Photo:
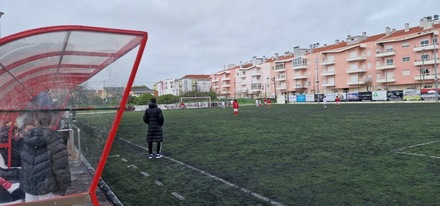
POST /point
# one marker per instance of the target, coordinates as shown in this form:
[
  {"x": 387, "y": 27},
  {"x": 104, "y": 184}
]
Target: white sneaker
[
  {"x": 13, "y": 187},
  {"x": 150, "y": 156},
  {"x": 159, "y": 156}
]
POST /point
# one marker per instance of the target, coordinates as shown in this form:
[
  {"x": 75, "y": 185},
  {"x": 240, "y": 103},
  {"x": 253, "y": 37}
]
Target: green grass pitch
[{"x": 295, "y": 154}]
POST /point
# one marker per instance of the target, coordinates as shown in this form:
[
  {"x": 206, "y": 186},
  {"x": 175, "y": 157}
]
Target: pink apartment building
[{"x": 394, "y": 60}]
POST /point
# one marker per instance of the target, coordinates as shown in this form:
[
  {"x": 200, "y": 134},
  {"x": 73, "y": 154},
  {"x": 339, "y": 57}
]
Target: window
[
  {"x": 405, "y": 59},
  {"x": 354, "y": 78},
  {"x": 389, "y": 49},
  {"x": 390, "y": 61},
  {"x": 424, "y": 42},
  {"x": 425, "y": 57},
  {"x": 353, "y": 54},
  {"x": 299, "y": 62},
  {"x": 425, "y": 71},
  {"x": 406, "y": 72},
  {"x": 353, "y": 66},
  {"x": 330, "y": 58},
  {"x": 330, "y": 69},
  {"x": 405, "y": 45}
]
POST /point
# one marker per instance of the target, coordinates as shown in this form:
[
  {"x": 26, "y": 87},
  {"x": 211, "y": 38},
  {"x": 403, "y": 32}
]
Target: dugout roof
[{"x": 62, "y": 59}]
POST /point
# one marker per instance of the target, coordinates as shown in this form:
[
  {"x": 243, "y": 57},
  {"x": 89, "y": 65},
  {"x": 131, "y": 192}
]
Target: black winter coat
[
  {"x": 154, "y": 118},
  {"x": 16, "y": 147},
  {"x": 44, "y": 165}
]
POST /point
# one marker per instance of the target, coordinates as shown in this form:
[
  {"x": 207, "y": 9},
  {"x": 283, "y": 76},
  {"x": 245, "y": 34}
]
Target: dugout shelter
[{"x": 87, "y": 72}]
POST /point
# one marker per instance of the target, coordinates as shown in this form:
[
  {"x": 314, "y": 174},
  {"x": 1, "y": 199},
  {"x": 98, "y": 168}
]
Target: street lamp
[{"x": 1, "y": 14}]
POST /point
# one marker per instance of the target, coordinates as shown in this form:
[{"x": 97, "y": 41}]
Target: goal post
[{"x": 196, "y": 102}]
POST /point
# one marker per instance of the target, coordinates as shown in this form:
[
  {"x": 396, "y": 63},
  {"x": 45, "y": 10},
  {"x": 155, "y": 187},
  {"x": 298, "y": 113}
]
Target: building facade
[
  {"x": 393, "y": 60},
  {"x": 188, "y": 83}
]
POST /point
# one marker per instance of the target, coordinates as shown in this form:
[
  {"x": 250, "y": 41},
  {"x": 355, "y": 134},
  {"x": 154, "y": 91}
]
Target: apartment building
[
  {"x": 166, "y": 86},
  {"x": 397, "y": 59},
  {"x": 188, "y": 83}
]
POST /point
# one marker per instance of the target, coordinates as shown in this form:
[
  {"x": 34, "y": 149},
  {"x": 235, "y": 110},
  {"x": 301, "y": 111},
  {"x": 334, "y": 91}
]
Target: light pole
[
  {"x": 423, "y": 69},
  {"x": 386, "y": 80},
  {"x": 1, "y": 14},
  {"x": 434, "y": 39},
  {"x": 275, "y": 88},
  {"x": 268, "y": 87},
  {"x": 313, "y": 47}
]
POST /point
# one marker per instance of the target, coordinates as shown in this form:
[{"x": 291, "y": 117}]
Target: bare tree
[{"x": 368, "y": 83}]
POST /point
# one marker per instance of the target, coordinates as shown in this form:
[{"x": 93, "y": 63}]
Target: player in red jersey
[
  {"x": 338, "y": 101},
  {"x": 235, "y": 106}
]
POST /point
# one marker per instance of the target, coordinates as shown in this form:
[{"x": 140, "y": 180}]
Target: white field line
[
  {"x": 158, "y": 182},
  {"x": 416, "y": 154},
  {"x": 400, "y": 151},
  {"x": 212, "y": 176},
  {"x": 178, "y": 196}
]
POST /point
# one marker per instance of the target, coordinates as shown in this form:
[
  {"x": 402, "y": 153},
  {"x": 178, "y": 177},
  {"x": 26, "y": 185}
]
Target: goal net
[{"x": 195, "y": 102}]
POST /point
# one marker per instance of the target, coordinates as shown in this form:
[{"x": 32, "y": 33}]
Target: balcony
[
  {"x": 214, "y": 80},
  {"x": 356, "y": 58},
  {"x": 280, "y": 70},
  {"x": 279, "y": 79},
  {"x": 385, "y": 67},
  {"x": 358, "y": 82},
  {"x": 300, "y": 77},
  {"x": 283, "y": 87},
  {"x": 327, "y": 62},
  {"x": 358, "y": 70},
  {"x": 226, "y": 85},
  {"x": 256, "y": 74},
  {"x": 255, "y": 87},
  {"x": 298, "y": 67},
  {"x": 226, "y": 79},
  {"x": 300, "y": 86},
  {"x": 386, "y": 80},
  {"x": 426, "y": 62},
  {"x": 328, "y": 84},
  {"x": 385, "y": 53},
  {"x": 425, "y": 47},
  {"x": 424, "y": 77},
  {"x": 328, "y": 73}
]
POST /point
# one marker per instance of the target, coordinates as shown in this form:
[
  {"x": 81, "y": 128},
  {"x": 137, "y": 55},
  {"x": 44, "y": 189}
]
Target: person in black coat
[
  {"x": 45, "y": 171},
  {"x": 154, "y": 118}
]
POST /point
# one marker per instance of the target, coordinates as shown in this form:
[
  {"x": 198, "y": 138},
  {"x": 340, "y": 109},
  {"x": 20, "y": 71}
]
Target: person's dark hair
[
  {"x": 44, "y": 119},
  {"x": 153, "y": 100}
]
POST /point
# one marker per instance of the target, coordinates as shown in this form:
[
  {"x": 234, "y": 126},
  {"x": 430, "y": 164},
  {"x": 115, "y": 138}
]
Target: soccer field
[{"x": 359, "y": 154}]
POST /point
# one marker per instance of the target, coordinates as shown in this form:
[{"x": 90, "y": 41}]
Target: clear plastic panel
[{"x": 53, "y": 97}]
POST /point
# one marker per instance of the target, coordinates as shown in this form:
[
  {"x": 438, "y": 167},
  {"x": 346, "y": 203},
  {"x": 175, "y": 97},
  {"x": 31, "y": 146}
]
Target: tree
[
  {"x": 213, "y": 95},
  {"x": 368, "y": 83},
  {"x": 144, "y": 99},
  {"x": 168, "y": 99}
]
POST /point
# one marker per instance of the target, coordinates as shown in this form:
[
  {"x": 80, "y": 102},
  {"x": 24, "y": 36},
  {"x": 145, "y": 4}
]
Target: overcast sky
[{"x": 200, "y": 37}]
